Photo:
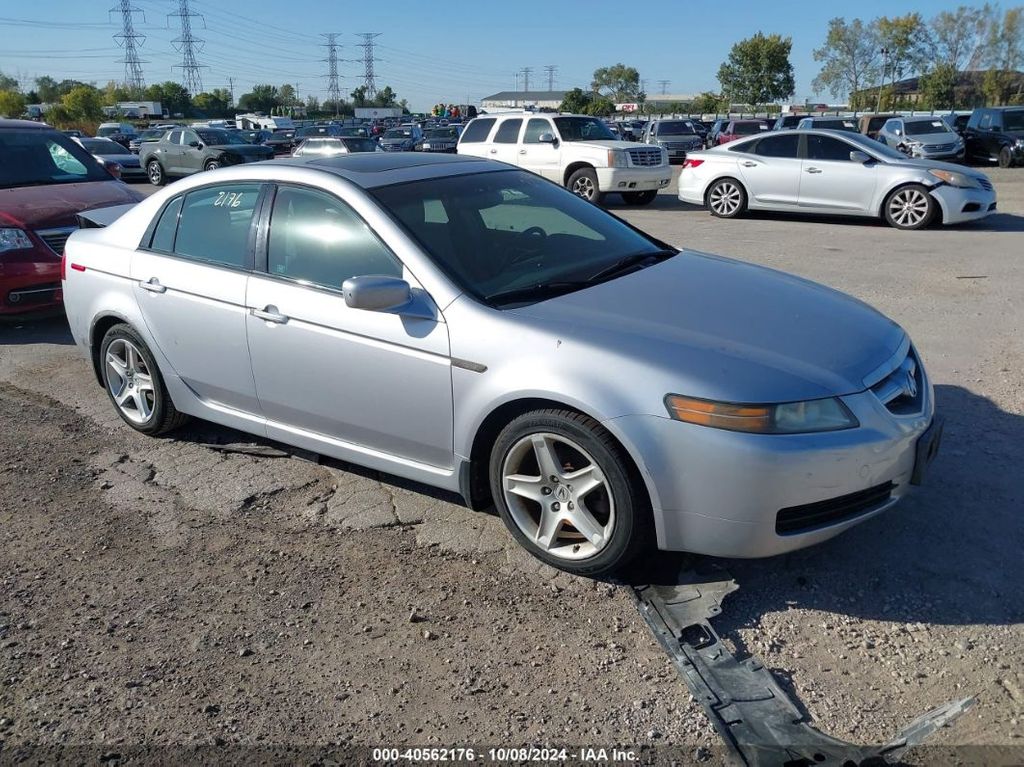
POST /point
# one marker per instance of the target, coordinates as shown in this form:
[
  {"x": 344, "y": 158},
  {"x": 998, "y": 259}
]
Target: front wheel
[
  {"x": 564, "y": 488},
  {"x": 1005, "y": 157},
  {"x": 583, "y": 183},
  {"x": 211, "y": 165},
  {"x": 910, "y": 207},
  {"x": 640, "y": 198},
  {"x": 727, "y": 198},
  {"x": 155, "y": 172}
]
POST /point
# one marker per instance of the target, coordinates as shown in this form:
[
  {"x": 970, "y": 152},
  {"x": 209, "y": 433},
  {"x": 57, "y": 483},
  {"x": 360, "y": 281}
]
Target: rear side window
[
  {"x": 783, "y": 145},
  {"x": 508, "y": 132},
  {"x": 214, "y": 224},
  {"x": 174, "y": 137},
  {"x": 163, "y": 235},
  {"x": 477, "y": 131}
]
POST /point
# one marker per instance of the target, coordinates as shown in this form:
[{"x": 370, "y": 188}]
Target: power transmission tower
[
  {"x": 551, "y": 69},
  {"x": 527, "y": 71},
  {"x": 127, "y": 40},
  {"x": 664, "y": 85},
  {"x": 191, "y": 76},
  {"x": 368, "y": 78},
  {"x": 333, "y": 89}
]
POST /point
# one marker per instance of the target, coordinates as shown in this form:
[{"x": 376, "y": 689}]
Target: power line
[
  {"x": 333, "y": 89},
  {"x": 527, "y": 71},
  {"x": 127, "y": 40},
  {"x": 191, "y": 75},
  {"x": 664, "y": 85},
  {"x": 368, "y": 76},
  {"x": 551, "y": 69}
]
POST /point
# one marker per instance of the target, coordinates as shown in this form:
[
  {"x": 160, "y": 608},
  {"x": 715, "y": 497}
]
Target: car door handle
[
  {"x": 522, "y": 151},
  {"x": 749, "y": 164},
  {"x": 494, "y": 151},
  {"x": 153, "y": 286},
  {"x": 814, "y": 170},
  {"x": 270, "y": 314}
]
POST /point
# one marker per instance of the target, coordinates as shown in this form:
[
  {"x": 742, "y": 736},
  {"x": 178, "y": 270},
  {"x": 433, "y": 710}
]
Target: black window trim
[
  {"x": 262, "y": 239},
  {"x": 248, "y": 267}
]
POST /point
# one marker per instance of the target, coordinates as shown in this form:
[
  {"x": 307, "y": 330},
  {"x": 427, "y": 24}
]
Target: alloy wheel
[
  {"x": 129, "y": 381},
  {"x": 909, "y": 207},
  {"x": 584, "y": 187},
  {"x": 558, "y": 496},
  {"x": 725, "y": 199}
]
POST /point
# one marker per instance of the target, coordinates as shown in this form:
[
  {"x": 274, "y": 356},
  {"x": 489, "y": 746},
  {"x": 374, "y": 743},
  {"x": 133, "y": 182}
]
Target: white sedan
[{"x": 833, "y": 173}]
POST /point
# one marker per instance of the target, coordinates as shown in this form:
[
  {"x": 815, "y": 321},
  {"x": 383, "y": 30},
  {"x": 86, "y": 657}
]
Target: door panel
[
  {"x": 542, "y": 159},
  {"x": 830, "y": 183},
  {"x": 771, "y": 172},
  {"x": 505, "y": 144}
]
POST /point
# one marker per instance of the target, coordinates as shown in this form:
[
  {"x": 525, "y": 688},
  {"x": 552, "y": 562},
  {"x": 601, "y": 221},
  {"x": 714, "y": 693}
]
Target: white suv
[{"x": 577, "y": 151}]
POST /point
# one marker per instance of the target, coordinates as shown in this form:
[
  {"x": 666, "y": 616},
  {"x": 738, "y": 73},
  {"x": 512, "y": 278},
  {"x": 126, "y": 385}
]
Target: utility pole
[
  {"x": 368, "y": 76},
  {"x": 127, "y": 40},
  {"x": 231, "y": 90},
  {"x": 333, "y": 89},
  {"x": 191, "y": 76},
  {"x": 881, "y": 80},
  {"x": 551, "y": 69},
  {"x": 527, "y": 71},
  {"x": 664, "y": 86}
]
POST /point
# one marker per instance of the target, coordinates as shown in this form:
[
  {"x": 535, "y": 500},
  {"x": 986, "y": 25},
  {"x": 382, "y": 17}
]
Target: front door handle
[
  {"x": 270, "y": 314},
  {"x": 522, "y": 151},
  {"x": 153, "y": 286},
  {"x": 814, "y": 170},
  {"x": 494, "y": 151}
]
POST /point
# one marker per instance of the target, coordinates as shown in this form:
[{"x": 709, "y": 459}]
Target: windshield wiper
[
  {"x": 537, "y": 292},
  {"x": 631, "y": 261}
]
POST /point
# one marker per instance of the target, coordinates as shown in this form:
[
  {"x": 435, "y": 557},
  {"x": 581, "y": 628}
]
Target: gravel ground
[{"x": 171, "y": 592}]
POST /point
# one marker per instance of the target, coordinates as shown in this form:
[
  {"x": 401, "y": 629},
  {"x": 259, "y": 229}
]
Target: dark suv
[
  {"x": 677, "y": 137},
  {"x": 996, "y": 134}
]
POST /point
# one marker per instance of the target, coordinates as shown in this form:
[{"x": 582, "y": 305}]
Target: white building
[{"x": 521, "y": 99}]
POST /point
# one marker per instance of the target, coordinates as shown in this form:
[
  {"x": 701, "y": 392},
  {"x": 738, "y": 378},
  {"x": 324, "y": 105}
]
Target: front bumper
[
  {"x": 961, "y": 205},
  {"x": 633, "y": 179},
  {"x": 955, "y": 154},
  {"x": 719, "y": 493},
  {"x": 30, "y": 286}
]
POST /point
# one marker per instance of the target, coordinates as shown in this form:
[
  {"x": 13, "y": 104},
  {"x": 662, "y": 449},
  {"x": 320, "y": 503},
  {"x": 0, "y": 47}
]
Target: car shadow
[
  {"x": 52, "y": 329},
  {"x": 948, "y": 554},
  {"x": 997, "y": 222}
]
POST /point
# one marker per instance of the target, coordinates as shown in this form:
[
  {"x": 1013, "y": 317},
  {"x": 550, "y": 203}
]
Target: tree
[
  {"x": 12, "y": 104},
  {"x": 46, "y": 86},
  {"x": 286, "y": 96},
  {"x": 758, "y": 70},
  {"x": 9, "y": 83},
  {"x": 262, "y": 98},
  {"x": 618, "y": 83},
  {"x": 83, "y": 103},
  {"x": 213, "y": 104},
  {"x": 172, "y": 97},
  {"x": 359, "y": 96},
  {"x": 600, "y": 106},
  {"x": 707, "y": 102},
  {"x": 956, "y": 35},
  {"x": 1004, "y": 43},
  {"x": 938, "y": 87},
  {"x": 385, "y": 97},
  {"x": 907, "y": 44},
  {"x": 849, "y": 58},
  {"x": 575, "y": 101}
]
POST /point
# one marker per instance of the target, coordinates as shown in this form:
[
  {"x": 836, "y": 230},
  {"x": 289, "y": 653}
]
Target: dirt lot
[{"x": 171, "y": 592}]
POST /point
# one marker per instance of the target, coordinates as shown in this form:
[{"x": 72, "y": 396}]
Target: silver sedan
[
  {"x": 836, "y": 173},
  {"x": 477, "y": 328}
]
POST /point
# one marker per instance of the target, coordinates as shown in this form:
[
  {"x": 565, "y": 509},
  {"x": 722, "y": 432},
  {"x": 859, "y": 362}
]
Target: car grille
[
  {"x": 801, "y": 519},
  {"x": 939, "y": 147},
  {"x": 677, "y": 145},
  {"x": 902, "y": 391},
  {"x": 985, "y": 184},
  {"x": 56, "y": 238},
  {"x": 34, "y": 296},
  {"x": 643, "y": 157}
]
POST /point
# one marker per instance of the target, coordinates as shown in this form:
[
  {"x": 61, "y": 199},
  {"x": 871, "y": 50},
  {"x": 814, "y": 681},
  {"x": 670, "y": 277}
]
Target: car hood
[
  {"x": 53, "y": 205},
  {"x": 939, "y": 165},
  {"x": 936, "y": 138},
  {"x": 728, "y": 330}
]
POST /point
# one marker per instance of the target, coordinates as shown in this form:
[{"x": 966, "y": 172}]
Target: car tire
[
  {"x": 583, "y": 183},
  {"x": 910, "y": 207},
  {"x": 155, "y": 173},
  {"x": 134, "y": 384},
  {"x": 726, "y": 198},
  {"x": 1005, "y": 158},
  {"x": 211, "y": 165},
  {"x": 591, "y": 531},
  {"x": 640, "y": 198}
]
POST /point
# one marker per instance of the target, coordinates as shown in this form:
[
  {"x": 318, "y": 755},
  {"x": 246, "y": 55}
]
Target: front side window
[
  {"x": 828, "y": 149},
  {"x": 536, "y": 128},
  {"x": 315, "y": 238},
  {"x": 892, "y": 126},
  {"x": 477, "y": 131},
  {"x": 508, "y": 132},
  {"x": 215, "y": 222}
]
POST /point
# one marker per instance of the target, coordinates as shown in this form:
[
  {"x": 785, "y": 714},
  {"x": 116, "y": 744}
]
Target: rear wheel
[
  {"x": 727, "y": 198},
  {"x": 583, "y": 183},
  {"x": 211, "y": 165},
  {"x": 564, "y": 489},
  {"x": 155, "y": 172},
  {"x": 640, "y": 198},
  {"x": 1005, "y": 157},
  {"x": 910, "y": 207}
]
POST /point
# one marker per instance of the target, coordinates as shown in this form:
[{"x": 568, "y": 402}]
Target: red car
[
  {"x": 45, "y": 179},
  {"x": 735, "y": 129}
]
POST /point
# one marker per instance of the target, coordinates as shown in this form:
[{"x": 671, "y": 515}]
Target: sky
[{"x": 429, "y": 51}]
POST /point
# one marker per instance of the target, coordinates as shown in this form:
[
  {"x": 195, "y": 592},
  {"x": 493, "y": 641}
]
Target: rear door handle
[
  {"x": 153, "y": 286},
  {"x": 494, "y": 151},
  {"x": 814, "y": 170},
  {"x": 522, "y": 151},
  {"x": 270, "y": 314},
  {"x": 749, "y": 164}
]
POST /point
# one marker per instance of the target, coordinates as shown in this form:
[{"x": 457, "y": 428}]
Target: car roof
[
  {"x": 373, "y": 170},
  {"x": 25, "y": 125}
]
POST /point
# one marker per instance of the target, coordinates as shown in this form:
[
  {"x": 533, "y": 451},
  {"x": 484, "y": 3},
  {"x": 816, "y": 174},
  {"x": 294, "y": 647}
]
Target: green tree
[
  {"x": 59, "y": 116},
  {"x": 83, "y": 103},
  {"x": 938, "y": 87},
  {"x": 359, "y": 97},
  {"x": 46, "y": 86},
  {"x": 618, "y": 83},
  {"x": 849, "y": 58},
  {"x": 286, "y": 95},
  {"x": 385, "y": 97},
  {"x": 907, "y": 42},
  {"x": 600, "y": 106},
  {"x": 9, "y": 83},
  {"x": 707, "y": 102},
  {"x": 995, "y": 86},
  {"x": 575, "y": 101},
  {"x": 172, "y": 97},
  {"x": 211, "y": 104},
  {"x": 262, "y": 98},
  {"x": 956, "y": 35},
  {"x": 1004, "y": 43},
  {"x": 12, "y": 104},
  {"x": 758, "y": 70}
]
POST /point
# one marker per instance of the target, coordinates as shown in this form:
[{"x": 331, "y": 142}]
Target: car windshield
[
  {"x": 1013, "y": 120},
  {"x": 152, "y": 133},
  {"x": 360, "y": 144},
  {"x": 675, "y": 128},
  {"x": 313, "y": 130},
  {"x": 511, "y": 237},
  {"x": 38, "y": 157},
  {"x": 583, "y": 129},
  {"x": 924, "y": 127},
  {"x": 399, "y": 133},
  {"x": 219, "y": 137},
  {"x": 103, "y": 146},
  {"x": 109, "y": 130}
]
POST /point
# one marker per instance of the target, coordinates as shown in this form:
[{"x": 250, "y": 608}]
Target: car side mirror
[
  {"x": 195, "y": 145},
  {"x": 380, "y": 293},
  {"x": 858, "y": 156},
  {"x": 547, "y": 138}
]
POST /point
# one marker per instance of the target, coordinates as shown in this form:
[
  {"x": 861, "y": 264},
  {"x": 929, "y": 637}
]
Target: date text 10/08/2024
[{"x": 510, "y": 754}]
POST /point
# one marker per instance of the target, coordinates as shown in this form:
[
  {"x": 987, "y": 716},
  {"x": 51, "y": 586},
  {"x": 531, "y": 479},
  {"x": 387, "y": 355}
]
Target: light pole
[{"x": 881, "y": 80}]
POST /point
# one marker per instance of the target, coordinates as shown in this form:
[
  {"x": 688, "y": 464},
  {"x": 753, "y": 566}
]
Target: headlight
[
  {"x": 787, "y": 418},
  {"x": 616, "y": 159},
  {"x": 1020, "y": 142},
  {"x": 14, "y": 239},
  {"x": 953, "y": 178}
]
